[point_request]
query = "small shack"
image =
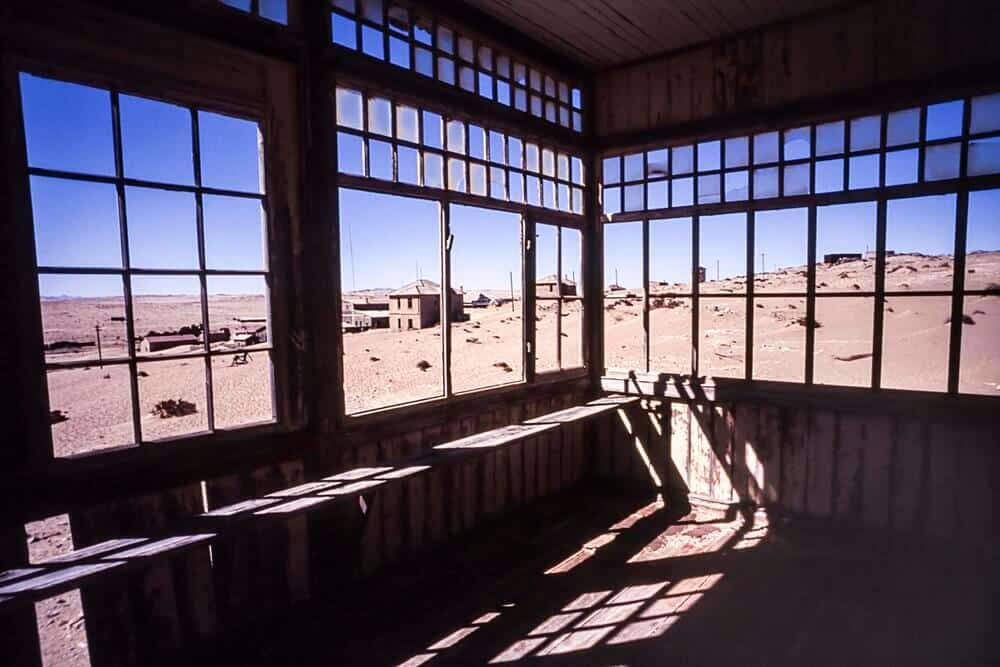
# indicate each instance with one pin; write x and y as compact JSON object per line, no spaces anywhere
{"x":159,"y":343}
{"x":548,"y":287}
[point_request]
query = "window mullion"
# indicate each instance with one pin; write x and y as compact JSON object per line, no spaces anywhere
{"x":202,"y":277}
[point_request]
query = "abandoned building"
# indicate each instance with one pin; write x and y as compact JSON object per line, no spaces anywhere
{"x":712,"y":445}
{"x":417,"y":305}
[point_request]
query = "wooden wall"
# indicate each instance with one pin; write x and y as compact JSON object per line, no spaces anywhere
{"x":864,"y":47}
{"x":924,"y":476}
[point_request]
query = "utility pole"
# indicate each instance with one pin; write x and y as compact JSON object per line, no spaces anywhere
{"x":100,"y":355}
{"x":716,"y":269}
{"x":512,"y":292}
{"x":763,"y":267}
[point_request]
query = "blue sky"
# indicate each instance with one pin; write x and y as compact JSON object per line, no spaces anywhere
{"x":68,"y":128}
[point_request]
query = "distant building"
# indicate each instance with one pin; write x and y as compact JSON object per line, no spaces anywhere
{"x":219,"y":336}
{"x":254,"y":336}
{"x":417,"y":305}
{"x":159,"y":343}
{"x":548,"y":286}
{"x":834,"y":257}
{"x":363,"y":313}
{"x":481,"y":301}
{"x":872,"y":255}
{"x":701,"y":274}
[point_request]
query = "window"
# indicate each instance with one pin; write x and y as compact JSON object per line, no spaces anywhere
{"x":451,"y":153}
{"x":852,"y":230}
{"x":558,"y":298}
{"x":271,"y":10}
{"x":477,"y":68}
{"x":152,"y":268}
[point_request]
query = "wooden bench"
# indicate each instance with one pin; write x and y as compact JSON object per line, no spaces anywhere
{"x":85,"y":566}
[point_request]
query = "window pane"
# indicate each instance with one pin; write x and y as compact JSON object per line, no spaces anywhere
{"x":779,"y":339}
{"x":612,"y":200}
{"x":76,"y":309}
{"x":372,"y":42}
{"x":546,"y":335}
{"x":670,"y":348}
{"x":67,"y":212}
{"x":433,"y":170}
{"x":172,"y":398}
{"x":67,"y":126}
{"x":571,"y":335}
{"x":983,"y":241}
{"x":866,"y":133}
{"x":780,"y":250}
{"x":634,"y":198}
{"x":658,"y":194}
{"x":162,"y":229}
{"x":433,"y":130}
{"x":737,"y":186}
{"x":623,"y":296}
{"x":274,"y":10}
{"x":456,"y":136}
{"x":985,"y":114}
{"x":406,"y":124}
{"x":515,"y":184}
{"x":670,"y":263}
{"x":944,"y":120}
{"x":350,"y":154}
{"x":984,"y":156}
{"x":915,"y":343}
{"x":91,"y":408}
{"x":920,"y":234}
{"x":548,"y":162}
{"x":709,"y":189}
{"x":446,"y":39}
{"x":942,"y":161}
{"x":467,"y":79}
{"x":765,"y":148}
{"x":372,"y":10}
{"x":531,"y":157}
{"x":796,"y":180}
{"x":393,"y":355}
{"x":477,"y":179}
{"x":722,"y":338}
{"x":380,"y":116}
{"x":843,"y":344}
{"x":167,"y":314}
{"x":709,"y":156}
{"x":656,"y":163}
{"x":514,"y":153}
{"x":503,"y":92}
{"x":845,"y":247}
{"x":242,"y":384}
{"x":723,"y":252}
{"x":238,"y":313}
{"x":864,"y":172}
{"x":682,"y":192}
{"x":765,"y":183}
{"x":498,"y":152}
{"x":830,"y":175}
{"x":546,"y":261}
{"x":408,"y":165}
{"x":230,"y":152}
{"x":344,"y":31}
{"x":611,"y":167}
{"x":423,"y":61}
{"x":980,"y":372}
{"x":682,"y":160}
{"x":349,"y":107}
{"x":737,"y":152}
{"x":797,"y":143}
{"x":901,"y":166}
{"x":477,"y":142}
{"x":576,"y":170}
{"x":465,"y":49}
{"x":830,"y":138}
{"x":156,"y":141}
{"x":487,"y":347}
{"x":446,"y":70}
{"x":904,"y":127}
{"x":532,"y":188}
{"x":456,"y":175}
{"x":235,"y":237}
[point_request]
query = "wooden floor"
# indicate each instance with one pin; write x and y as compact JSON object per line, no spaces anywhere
{"x":596,"y":579}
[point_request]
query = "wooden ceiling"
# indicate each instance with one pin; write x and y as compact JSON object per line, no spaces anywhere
{"x":605,"y":33}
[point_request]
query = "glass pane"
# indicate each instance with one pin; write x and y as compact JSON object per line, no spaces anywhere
{"x":531,"y":157}
{"x":901,"y":166}
{"x":433,"y":129}
{"x":399,"y":52}
{"x":843,"y":344}
{"x":423,"y":61}
{"x":576,"y":170}
{"x":765,"y":148}
{"x":238,"y":313}
{"x":765,"y":183}
{"x":549,"y":193}
{"x":344,"y":31}
{"x":465,"y":50}
{"x":866,"y":133}
{"x":682,"y":160}
{"x":274,"y":10}
{"x":577,"y":201}
{"x":571,"y":335}
{"x":503,"y":65}
{"x":67,"y":126}
{"x":498,"y":152}
{"x":399,"y":20}
{"x":682,"y":192}
{"x":709,"y":189}
{"x":467,"y":79}
{"x":737,"y":186}
{"x":392,"y":351}
{"x":349,"y":106}
{"x":634,"y":197}
{"x":485,"y":85}
{"x":980,"y":370}
{"x":546,"y":335}
{"x":904,"y":127}
{"x":670,"y":262}
{"x":915,"y":343}
{"x":532,"y":188}
{"x":572,"y":263}
{"x":985,"y":114}
{"x":670,"y":348}
{"x":230,"y":153}
{"x":658,"y":194}
{"x":737,"y":152}
{"x":797,"y":143}
{"x":780,"y":250}
{"x":380,"y":116}
{"x":656,"y":163}
{"x":515,"y":153}
{"x":167,"y":314}
{"x":942,"y":161}
{"x":156,"y":141}
{"x":408,"y":165}
{"x":845,"y":247}
{"x":709,"y":156}
{"x":984,"y":156}
{"x":612,"y":200}
{"x":372,"y":42}
{"x":477,"y":179}
{"x":235,"y":237}
{"x":372,"y":10}
{"x":830,"y":138}
{"x":90,"y":409}
{"x":546,"y":261}
{"x":722,"y":338}
{"x":983,"y":241}
{"x":515,"y":185}
{"x":406,"y":124}
{"x":487,"y":343}
{"x":380,"y":159}
{"x":779,"y":339}
{"x":611,"y":170}
{"x":172,"y":398}
{"x":563,"y":196}
{"x":796,"y":180}
{"x":830,"y":175}
{"x":83,"y":317}
{"x":548,"y":162}
{"x":433,"y":170}
{"x":422,"y":31}
{"x":623,"y":296}
{"x":446,"y":70}
{"x":456,"y":174}
{"x":477,"y":142}
{"x":162,"y":229}
{"x":350,"y":154}
{"x":944,"y":120}
{"x":76,"y":223}
{"x":864,"y":172}
{"x":723,"y":243}
{"x":446,"y":39}
{"x":920,"y":235}
{"x":456,"y":136}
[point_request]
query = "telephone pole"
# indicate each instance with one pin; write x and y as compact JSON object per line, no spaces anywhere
{"x":100,"y":356}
